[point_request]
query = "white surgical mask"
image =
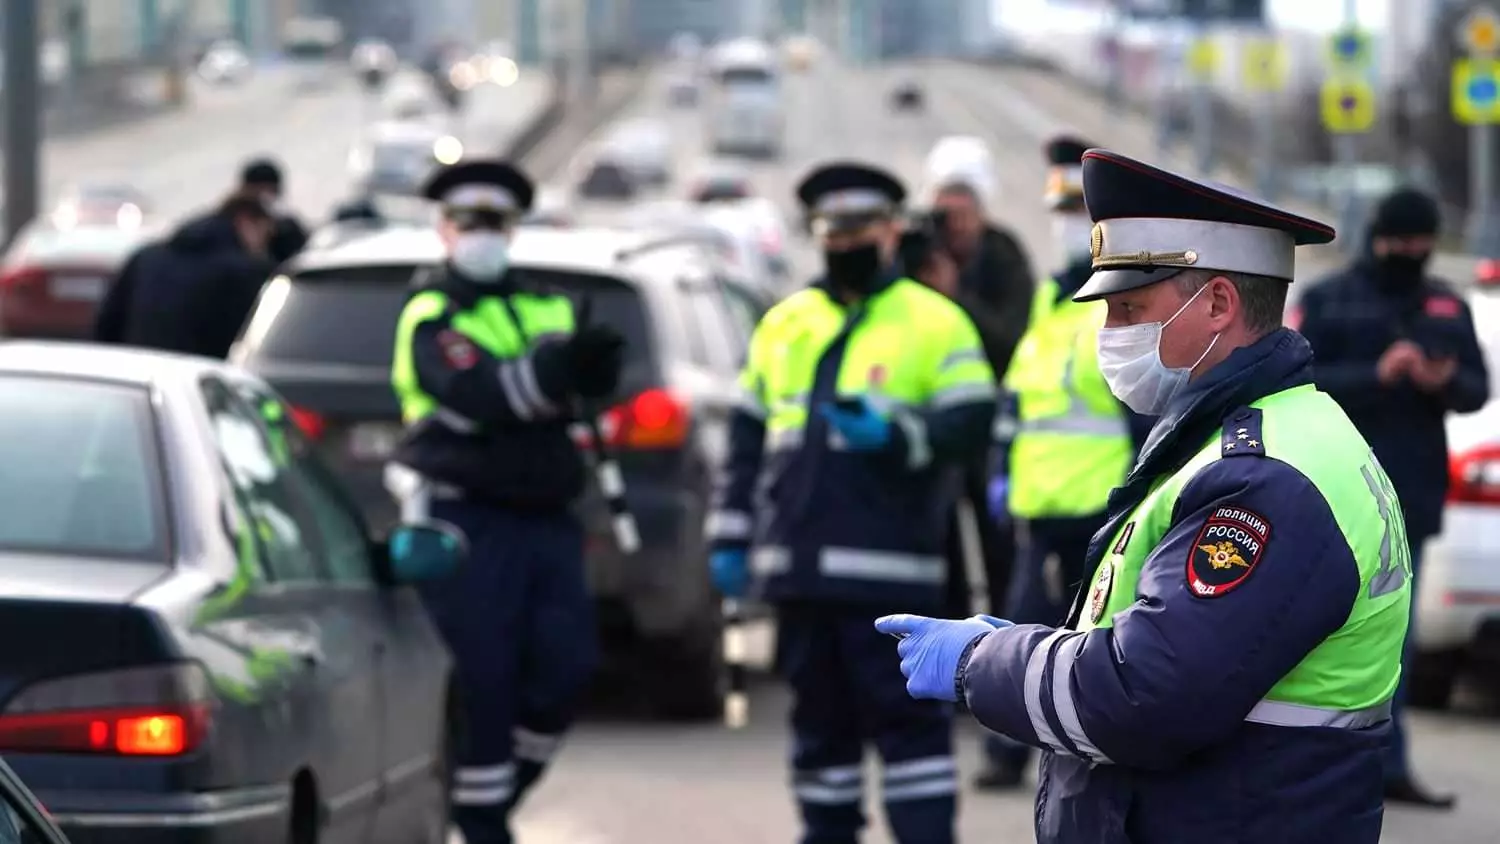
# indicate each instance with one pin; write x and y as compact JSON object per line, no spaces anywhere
{"x":481,"y":256}
{"x":1071,"y":235}
{"x":1130,"y":360}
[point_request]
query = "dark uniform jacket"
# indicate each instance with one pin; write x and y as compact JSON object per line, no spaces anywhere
{"x":995,"y":288}
{"x":1165,"y":693}
{"x":1350,"y":322}
{"x":509,"y":461}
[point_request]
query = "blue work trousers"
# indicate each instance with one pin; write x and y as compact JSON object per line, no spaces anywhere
{"x":519,"y":621}
{"x":849,"y":693}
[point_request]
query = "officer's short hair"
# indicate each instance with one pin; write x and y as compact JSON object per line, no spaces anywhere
{"x":959,"y":187}
{"x":1262,"y":298}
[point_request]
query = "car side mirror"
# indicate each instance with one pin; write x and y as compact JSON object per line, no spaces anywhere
{"x":423,"y":551}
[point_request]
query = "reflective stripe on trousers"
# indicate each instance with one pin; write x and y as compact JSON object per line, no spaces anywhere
{"x":857,"y":564}
{"x":488,"y":785}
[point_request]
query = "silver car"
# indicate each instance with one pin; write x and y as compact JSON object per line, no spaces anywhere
{"x":398,"y":157}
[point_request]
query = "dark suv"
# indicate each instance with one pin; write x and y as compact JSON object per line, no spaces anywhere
{"x":322,"y":335}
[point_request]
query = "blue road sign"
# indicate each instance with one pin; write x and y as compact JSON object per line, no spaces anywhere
{"x":1483,"y":91}
{"x":1348,"y":46}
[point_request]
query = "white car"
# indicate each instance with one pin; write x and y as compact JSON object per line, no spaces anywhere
{"x":397,"y":157}
{"x":747,"y":121}
{"x":1458,"y":600}
{"x":735,"y":235}
{"x":224,"y":63}
{"x":645,"y":146}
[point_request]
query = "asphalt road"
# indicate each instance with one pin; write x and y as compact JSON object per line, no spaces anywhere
{"x":185,"y":161}
{"x":622,"y":782}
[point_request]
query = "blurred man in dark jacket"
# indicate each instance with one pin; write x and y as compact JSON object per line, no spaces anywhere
{"x":1397,"y":350}
{"x":990,"y":276}
{"x":261,"y":178}
{"x":192,"y":292}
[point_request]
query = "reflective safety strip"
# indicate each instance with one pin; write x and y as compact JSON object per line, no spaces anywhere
{"x":918,"y":447}
{"x":1063,"y":703}
{"x":748,"y":402}
{"x":920,"y":779}
{"x":770,"y":560}
{"x":886,"y":566}
{"x":783,"y":439}
{"x":522,"y":392}
{"x":457,"y":422}
{"x":533,"y":746}
{"x":962,"y":357}
{"x":489,"y":785}
{"x":1278,"y":714}
{"x":1031,"y":690}
{"x":729,"y":525}
{"x":963,"y":394}
{"x":1085,"y":424}
{"x":829,"y":786}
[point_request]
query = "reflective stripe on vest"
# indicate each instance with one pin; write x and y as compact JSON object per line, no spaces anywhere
{"x":1347,"y":678}
{"x":856,"y":564}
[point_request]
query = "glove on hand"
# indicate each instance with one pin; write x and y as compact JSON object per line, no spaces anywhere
{"x":863,"y":429}
{"x":596,"y":354}
{"x":930,"y":649}
{"x":730,"y":571}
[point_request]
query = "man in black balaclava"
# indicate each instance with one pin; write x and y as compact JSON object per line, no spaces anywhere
{"x":1397,"y":350}
{"x":262,"y":179}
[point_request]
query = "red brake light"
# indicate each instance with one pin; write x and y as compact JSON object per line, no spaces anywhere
{"x":22,"y":278}
{"x":654,"y":419}
{"x":1487,"y":273}
{"x":147,"y":711}
{"x":311,"y":424}
{"x":1474,"y":476}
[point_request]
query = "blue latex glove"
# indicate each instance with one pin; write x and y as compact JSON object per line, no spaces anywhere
{"x":863,"y":430}
{"x":999,"y":498}
{"x":730,"y":572}
{"x":931,"y":647}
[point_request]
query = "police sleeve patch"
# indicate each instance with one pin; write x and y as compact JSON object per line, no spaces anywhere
{"x":1226,"y":550}
{"x":458,"y":350}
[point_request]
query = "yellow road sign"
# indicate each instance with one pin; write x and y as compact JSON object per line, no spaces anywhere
{"x":1265,"y":65}
{"x":1480,"y":32}
{"x":1348,"y":106}
{"x":1203,"y":59}
{"x":1476,"y":91}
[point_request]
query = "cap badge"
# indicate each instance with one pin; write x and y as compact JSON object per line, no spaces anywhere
{"x":1096,"y":241}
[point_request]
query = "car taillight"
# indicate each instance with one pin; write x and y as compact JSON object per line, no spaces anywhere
{"x":311,"y":424}
{"x":654,"y":419}
{"x":17,"y":279}
{"x":160,"y":710}
{"x":1487,"y":273}
{"x":1474,"y":476}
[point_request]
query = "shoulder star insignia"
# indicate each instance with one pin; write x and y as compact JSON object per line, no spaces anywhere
{"x":1242,"y":435}
{"x":1229,"y":445}
{"x":1254,"y":444}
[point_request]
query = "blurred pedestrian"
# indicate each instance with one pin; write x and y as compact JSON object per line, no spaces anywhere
{"x":859,"y":394}
{"x":193,"y":291}
{"x":1397,"y":349}
{"x":994,"y":285}
{"x":262,"y":178}
{"x":489,"y":368}
{"x":1074,"y":441}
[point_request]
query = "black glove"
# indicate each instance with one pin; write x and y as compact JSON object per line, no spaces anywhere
{"x":596,"y":353}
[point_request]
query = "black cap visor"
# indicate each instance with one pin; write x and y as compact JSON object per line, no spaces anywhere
{"x":1106,"y":282}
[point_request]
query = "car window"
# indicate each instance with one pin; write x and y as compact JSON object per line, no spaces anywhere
{"x":261,"y":472}
{"x":348,"y":316}
{"x":721,"y":338}
{"x":82,"y":470}
{"x":340,"y":533}
{"x":15,"y":828}
{"x":744,"y":307}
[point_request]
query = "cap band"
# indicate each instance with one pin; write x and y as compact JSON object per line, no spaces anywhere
{"x":1195,"y":244}
{"x":854,"y":201}
{"x":480,"y":196}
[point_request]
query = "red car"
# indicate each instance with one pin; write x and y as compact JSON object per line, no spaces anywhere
{"x":55,"y":275}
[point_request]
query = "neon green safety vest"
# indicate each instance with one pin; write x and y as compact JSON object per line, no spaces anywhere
{"x":1073,"y":445}
{"x":886,"y":359}
{"x":488,"y":324}
{"x":1356,"y":668}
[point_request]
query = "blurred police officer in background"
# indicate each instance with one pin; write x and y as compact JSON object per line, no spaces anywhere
{"x":488,"y":368}
{"x":1396,"y":349}
{"x":861,"y":394}
{"x":994,"y":285}
{"x":1228,"y":674}
{"x":1074,"y":442}
{"x":262,"y":178}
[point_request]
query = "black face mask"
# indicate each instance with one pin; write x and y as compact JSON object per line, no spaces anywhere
{"x":855,"y":270}
{"x":1398,"y":272}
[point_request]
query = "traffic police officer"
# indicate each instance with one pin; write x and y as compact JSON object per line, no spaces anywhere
{"x":1227,"y":674}
{"x":1075,"y":441}
{"x":487,"y":367}
{"x":861,"y":393}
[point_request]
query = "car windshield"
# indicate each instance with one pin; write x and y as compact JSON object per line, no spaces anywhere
{"x":82,"y":470}
{"x":401,"y":155}
{"x":348,"y":316}
{"x":749,"y":77}
{"x":106,"y":243}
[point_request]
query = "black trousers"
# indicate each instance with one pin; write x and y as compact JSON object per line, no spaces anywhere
{"x":997,"y":545}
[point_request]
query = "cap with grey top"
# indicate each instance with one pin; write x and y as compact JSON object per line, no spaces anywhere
{"x":1151,"y":224}
{"x":1065,"y":173}
{"x":483,"y":185}
{"x":847,"y":196}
